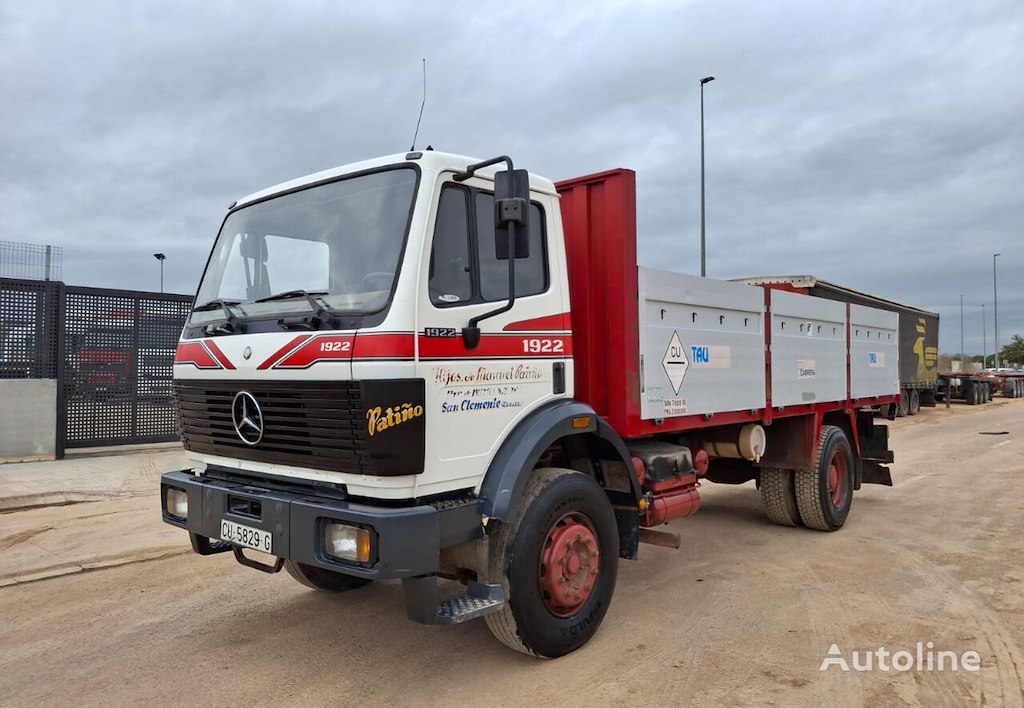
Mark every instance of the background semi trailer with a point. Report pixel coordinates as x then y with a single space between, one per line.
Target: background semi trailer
918 334
419 367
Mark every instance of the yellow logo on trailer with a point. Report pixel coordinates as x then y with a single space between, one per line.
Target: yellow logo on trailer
926 356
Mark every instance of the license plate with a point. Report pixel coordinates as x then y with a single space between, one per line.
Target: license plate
246 536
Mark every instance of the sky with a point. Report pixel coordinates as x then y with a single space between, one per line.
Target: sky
879 145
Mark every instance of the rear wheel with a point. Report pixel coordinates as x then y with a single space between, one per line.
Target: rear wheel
824 494
779 497
322 579
914 406
904 405
556 560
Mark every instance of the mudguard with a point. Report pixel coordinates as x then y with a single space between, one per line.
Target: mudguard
521 450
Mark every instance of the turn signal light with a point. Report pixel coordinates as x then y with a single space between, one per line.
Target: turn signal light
177 503
349 543
580 422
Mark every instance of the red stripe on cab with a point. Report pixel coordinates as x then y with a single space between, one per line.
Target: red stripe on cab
554 323
218 354
276 356
196 354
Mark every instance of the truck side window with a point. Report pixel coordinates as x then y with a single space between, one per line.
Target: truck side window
531 273
450 278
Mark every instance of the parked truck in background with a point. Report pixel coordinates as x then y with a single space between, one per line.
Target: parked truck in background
422 367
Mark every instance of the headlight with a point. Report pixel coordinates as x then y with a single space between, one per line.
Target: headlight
177 503
349 543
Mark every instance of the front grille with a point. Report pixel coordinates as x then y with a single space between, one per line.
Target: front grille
313 424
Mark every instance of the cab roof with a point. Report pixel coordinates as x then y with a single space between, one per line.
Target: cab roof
432 161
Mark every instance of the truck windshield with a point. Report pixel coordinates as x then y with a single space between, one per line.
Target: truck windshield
341 240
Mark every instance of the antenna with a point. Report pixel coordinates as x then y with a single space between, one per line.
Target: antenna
416 134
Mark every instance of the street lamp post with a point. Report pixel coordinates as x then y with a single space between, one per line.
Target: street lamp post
995 303
984 336
161 257
703 249
962 332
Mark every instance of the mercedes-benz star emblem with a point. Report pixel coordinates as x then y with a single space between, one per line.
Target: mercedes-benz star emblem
246 353
247 417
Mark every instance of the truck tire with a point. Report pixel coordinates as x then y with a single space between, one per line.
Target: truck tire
824 494
556 559
973 394
322 579
903 407
779 497
914 407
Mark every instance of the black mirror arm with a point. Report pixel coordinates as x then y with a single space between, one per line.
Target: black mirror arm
471 169
471 333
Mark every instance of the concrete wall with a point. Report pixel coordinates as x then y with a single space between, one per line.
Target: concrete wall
28 419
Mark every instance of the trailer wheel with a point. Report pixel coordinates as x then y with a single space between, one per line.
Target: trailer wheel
904 405
556 559
779 497
914 406
322 579
973 395
824 493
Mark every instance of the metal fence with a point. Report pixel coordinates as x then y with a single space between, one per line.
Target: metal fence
111 352
30 261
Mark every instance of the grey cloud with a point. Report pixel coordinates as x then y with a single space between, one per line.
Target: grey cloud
876 144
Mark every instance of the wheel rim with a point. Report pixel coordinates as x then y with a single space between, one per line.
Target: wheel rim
837 474
569 564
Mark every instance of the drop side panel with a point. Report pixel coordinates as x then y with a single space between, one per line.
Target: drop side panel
702 345
808 349
874 353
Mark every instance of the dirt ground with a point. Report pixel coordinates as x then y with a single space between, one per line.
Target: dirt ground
743 614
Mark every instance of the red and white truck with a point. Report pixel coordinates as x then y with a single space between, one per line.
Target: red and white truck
425 368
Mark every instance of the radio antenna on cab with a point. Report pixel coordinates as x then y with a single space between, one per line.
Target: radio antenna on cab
414 135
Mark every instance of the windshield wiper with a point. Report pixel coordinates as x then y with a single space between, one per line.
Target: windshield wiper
320 314
215 305
230 323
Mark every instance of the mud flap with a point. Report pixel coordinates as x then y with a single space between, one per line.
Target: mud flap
874 473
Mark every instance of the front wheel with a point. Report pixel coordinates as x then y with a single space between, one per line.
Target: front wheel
824 494
556 559
322 579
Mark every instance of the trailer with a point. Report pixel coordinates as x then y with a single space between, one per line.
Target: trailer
918 334
424 368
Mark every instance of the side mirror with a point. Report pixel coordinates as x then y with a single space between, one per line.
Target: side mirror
512 209
253 247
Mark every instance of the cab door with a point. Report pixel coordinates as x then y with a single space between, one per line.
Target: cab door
476 396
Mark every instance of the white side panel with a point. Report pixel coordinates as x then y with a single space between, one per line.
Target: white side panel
808 349
874 352
701 345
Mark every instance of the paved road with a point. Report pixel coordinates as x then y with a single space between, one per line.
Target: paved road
743 614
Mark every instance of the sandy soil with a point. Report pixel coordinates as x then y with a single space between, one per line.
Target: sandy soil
743 614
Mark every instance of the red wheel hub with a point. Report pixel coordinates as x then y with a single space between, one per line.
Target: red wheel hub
837 480
569 564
